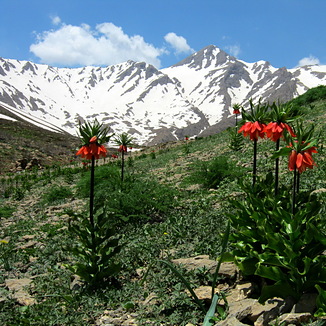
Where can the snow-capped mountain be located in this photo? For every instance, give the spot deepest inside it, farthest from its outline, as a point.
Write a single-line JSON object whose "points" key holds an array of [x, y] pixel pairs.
{"points": [[191, 98]]}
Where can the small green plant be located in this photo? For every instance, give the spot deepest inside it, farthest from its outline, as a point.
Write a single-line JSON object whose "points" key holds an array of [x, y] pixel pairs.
{"points": [[236, 139], [320, 302], [210, 318], [211, 174], [96, 248], [57, 193], [276, 245], [6, 211], [5, 254]]}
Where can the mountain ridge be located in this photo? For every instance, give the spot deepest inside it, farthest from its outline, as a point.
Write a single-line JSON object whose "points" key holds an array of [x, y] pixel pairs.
{"points": [[194, 97]]}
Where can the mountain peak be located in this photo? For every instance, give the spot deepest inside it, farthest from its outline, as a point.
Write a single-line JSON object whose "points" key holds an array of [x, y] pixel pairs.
{"points": [[210, 56]]}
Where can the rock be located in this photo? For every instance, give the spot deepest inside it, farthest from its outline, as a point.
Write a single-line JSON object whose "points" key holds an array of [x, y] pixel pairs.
{"points": [[295, 318], [276, 307], [17, 287], [204, 292], [307, 303], [117, 317], [29, 244], [151, 299], [263, 314], [230, 321], [242, 309], [201, 261], [240, 292], [227, 269]]}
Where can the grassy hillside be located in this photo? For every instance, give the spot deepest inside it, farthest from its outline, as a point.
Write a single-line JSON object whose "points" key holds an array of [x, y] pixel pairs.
{"points": [[21, 141], [174, 203]]}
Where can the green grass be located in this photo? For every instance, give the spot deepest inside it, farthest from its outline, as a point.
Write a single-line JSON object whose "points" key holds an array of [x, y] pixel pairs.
{"points": [[170, 206]]}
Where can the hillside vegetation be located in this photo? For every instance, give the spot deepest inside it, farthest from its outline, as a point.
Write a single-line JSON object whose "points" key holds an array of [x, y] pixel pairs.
{"points": [[175, 202]]}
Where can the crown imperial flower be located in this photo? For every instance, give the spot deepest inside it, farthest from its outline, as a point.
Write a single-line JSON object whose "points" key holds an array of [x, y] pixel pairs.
{"points": [[254, 130], [93, 135], [301, 161], [274, 130]]}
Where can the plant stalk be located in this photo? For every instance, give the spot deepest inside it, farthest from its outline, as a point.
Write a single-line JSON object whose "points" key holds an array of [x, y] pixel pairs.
{"points": [[91, 202], [277, 168], [295, 188], [254, 164], [122, 165]]}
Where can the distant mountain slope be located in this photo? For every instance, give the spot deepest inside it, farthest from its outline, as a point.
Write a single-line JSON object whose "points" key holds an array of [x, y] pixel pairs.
{"points": [[23, 142], [193, 97]]}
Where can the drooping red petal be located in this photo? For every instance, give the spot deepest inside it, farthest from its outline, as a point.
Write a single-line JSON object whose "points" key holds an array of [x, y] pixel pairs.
{"points": [[292, 160], [299, 160], [289, 129]]}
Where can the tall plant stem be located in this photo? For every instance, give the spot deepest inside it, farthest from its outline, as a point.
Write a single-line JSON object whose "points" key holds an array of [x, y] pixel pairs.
{"points": [[295, 188], [277, 168], [298, 182], [91, 199], [122, 165], [254, 172]]}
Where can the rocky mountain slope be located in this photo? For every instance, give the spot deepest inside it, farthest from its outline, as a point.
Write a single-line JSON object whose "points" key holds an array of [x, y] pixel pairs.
{"points": [[193, 97]]}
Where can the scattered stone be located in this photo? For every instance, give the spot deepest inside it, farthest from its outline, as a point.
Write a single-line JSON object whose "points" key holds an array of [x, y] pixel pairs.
{"points": [[17, 287], [231, 321], [117, 317], [227, 269], [241, 309], [240, 292], [307, 303], [29, 244], [204, 292], [295, 318], [197, 262], [151, 299]]}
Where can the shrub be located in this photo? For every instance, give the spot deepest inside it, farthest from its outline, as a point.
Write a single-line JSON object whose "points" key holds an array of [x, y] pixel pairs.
{"points": [[6, 211], [56, 194], [271, 242], [211, 174], [133, 199]]}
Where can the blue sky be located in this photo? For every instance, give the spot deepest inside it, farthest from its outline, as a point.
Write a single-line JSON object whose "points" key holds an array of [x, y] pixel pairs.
{"points": [[74, 33]]}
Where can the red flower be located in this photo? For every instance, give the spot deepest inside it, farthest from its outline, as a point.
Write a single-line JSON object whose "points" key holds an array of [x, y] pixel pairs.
{"points": [[122, 148], [92, 149], [302, 160], [274, 130], [253, 130], [236, 111]]}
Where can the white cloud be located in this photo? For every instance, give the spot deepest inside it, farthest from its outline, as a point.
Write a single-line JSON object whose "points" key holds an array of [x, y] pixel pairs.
{"points": [[179, 43], [56, 20], [311, 60], [80, 45], [234, 50]]}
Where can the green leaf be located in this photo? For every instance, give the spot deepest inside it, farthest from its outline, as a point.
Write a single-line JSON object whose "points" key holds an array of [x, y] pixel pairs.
{"points": [[208, 321], [280, 289], [270, 272]]}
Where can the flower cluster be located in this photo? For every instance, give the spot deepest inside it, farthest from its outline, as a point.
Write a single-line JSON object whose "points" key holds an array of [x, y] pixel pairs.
{"points": [[274, 130], [92, 149], [254, 130], [301, 159], [123, 148], [236, 110]]}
